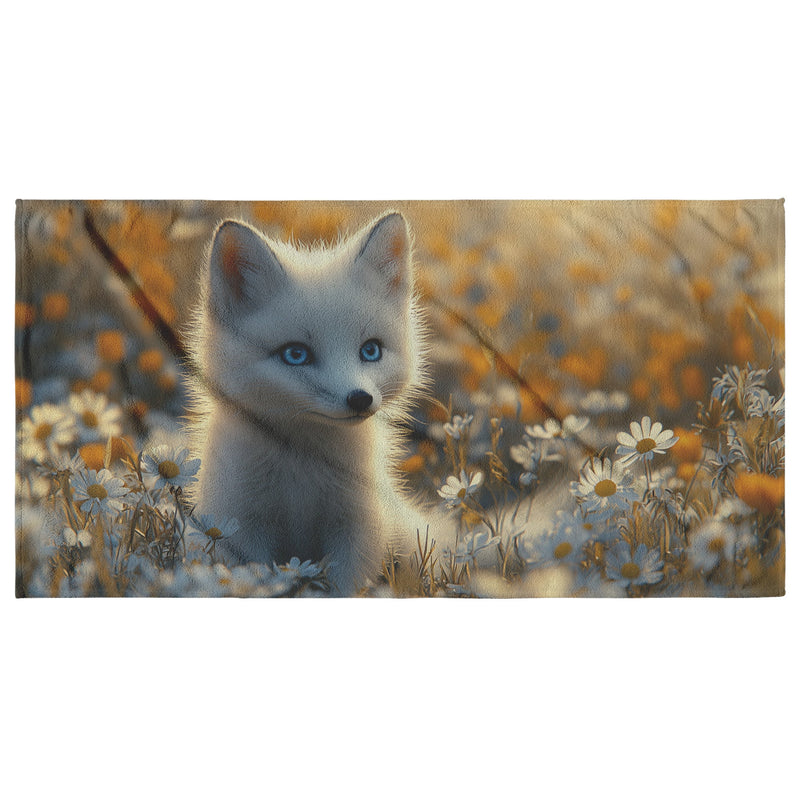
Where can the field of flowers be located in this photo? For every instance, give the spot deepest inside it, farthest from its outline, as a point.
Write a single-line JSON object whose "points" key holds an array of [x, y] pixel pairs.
{"points": [[606, 417]]}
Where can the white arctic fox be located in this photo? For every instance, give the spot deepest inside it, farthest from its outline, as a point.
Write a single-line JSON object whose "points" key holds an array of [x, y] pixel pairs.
{"points": [[309, 358]]}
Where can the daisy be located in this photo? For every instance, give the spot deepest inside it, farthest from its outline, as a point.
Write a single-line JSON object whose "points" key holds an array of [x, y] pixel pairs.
{"points": [[158, 500], [562, 545], [592, 583], [96, 418], [64, 463], [633, 568], [469, 545], [206, 525], [82, 537], [712, 542], [299, 571], [553, 429], [527, 455], [456, 490], [550, 430], [531, 452], [458, 426], [48, 428], [598, 528], [604, 487], [98, 491], [644, 441], [170, 466], [598, 402]]}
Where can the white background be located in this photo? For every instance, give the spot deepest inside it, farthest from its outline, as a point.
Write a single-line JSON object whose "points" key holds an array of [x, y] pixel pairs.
{"points": [[386, 101]]}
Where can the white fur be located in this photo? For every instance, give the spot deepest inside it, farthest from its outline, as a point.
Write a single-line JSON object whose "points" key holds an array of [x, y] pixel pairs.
{"points": [[281, 451]]}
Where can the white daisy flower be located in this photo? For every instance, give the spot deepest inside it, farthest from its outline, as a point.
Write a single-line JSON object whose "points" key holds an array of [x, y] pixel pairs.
{"points": [[170, 466], [469, 545], [633, 568], [157, 499], [644, 441], [527, 478], [592, 583], [96, 418], [29, 486], [563, 544], [553, 429], [95, 491], [64, 462], [456, 490], [550, 430], [598, 528], [713, 541], [297, 570], [48, 428], [599, 402], [206, 525], [458, 425], [604, 487], [531, 453], [732, 507], [82, 537]]}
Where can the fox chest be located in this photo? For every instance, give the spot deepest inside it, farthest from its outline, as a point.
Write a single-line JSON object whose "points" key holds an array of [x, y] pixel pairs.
{"points": [[303, 519]]}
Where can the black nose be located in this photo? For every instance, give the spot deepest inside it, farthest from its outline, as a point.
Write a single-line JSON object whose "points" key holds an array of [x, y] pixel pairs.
{"points": [[359, 400]]}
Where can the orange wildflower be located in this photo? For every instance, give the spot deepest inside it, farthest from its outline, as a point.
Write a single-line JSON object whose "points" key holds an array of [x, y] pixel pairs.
{"points": [[93, 455], [55, 306], [110, 346], [762, 492], [101, 381], [23, 392], [24, 315], [150, 360], [693, 382], [640, 389], [138, 408], [686, 472], [743, 349], [689, 446], [167, 381]]}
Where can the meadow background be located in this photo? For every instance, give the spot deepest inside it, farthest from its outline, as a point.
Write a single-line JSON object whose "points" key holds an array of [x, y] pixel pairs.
{"points": [[560, 331]]}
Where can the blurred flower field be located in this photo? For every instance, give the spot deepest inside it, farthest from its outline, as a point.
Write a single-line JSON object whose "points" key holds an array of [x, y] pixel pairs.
{"points": [[606, 416]]}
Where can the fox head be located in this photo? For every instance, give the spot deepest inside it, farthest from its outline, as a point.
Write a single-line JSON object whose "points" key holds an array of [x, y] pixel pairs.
{"points": [[327, 335]]}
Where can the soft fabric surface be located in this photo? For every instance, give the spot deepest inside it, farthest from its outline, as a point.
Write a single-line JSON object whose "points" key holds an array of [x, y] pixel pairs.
{"points": [[577, 398]]}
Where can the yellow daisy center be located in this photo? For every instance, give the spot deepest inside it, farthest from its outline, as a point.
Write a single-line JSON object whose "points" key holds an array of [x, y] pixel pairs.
{"points": [[97, 491], [587, 526], [630, 571], [168, 470], [43, 430], [645, 445], [213, 533], [716, 545], [605, 488], [462, 493], [563, 550], [89, 419]]}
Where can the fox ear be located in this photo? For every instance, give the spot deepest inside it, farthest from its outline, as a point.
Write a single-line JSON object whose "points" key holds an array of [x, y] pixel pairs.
{"points": [[243, 267], [386, 252]]}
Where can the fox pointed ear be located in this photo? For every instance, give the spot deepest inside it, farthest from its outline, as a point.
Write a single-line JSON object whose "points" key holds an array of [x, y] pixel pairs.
{"points": [[386, 251], [243, 268]]}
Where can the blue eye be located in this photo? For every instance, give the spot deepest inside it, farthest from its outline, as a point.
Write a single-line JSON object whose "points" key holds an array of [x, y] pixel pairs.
{"points": [[371, 350], [296, 355]]}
